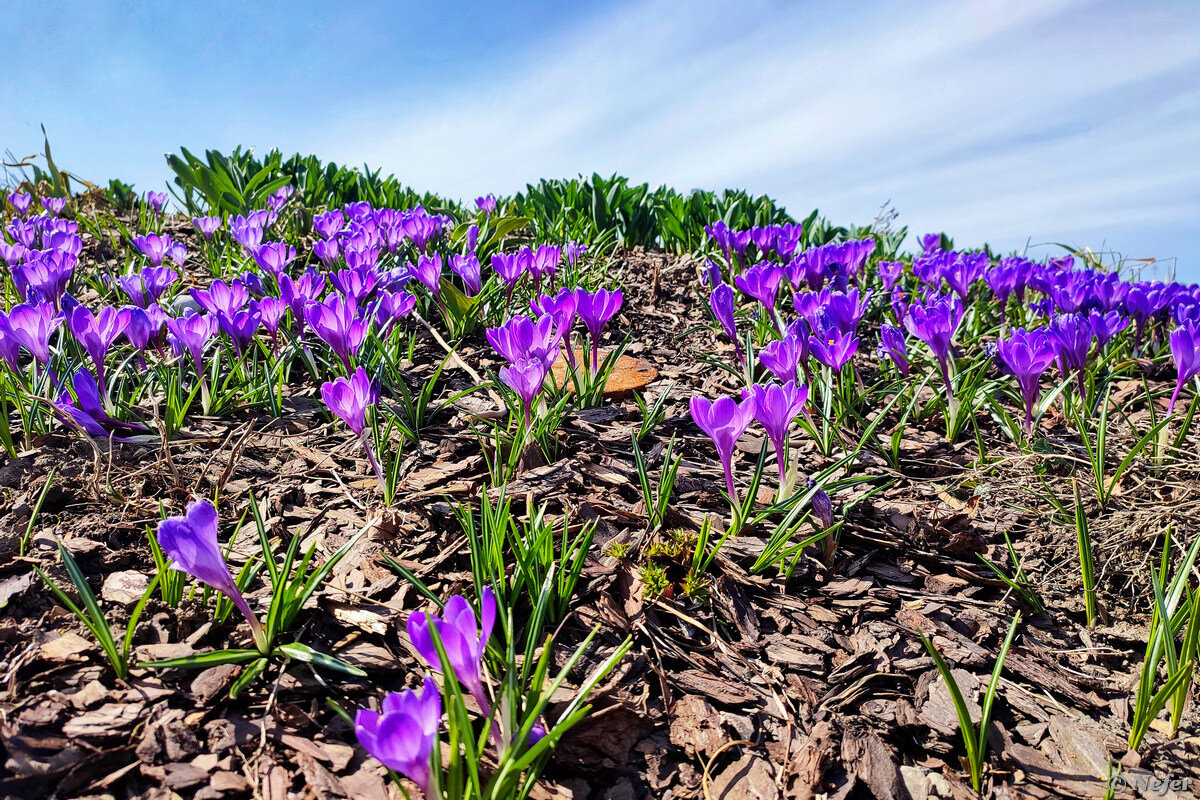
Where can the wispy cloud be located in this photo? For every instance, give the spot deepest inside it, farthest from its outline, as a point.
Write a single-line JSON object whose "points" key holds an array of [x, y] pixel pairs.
{"points": [[1059, 120]]}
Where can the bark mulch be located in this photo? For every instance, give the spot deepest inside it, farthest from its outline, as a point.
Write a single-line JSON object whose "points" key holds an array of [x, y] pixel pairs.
{"points": [[755, 688]]}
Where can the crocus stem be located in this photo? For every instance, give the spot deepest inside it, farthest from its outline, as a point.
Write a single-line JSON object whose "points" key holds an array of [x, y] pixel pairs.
{"points": [[946, 380], [728, 464], [570, 351], [374, 462], [780, 450], [1174, 397], [256, 629]]}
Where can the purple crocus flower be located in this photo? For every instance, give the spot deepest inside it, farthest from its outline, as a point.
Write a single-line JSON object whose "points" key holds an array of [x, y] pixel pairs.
{"points": [[44, 276], [573, 251], [429, 272], [931, 242], [190, 541], [336, 322], [472, 238], [306, 289], [31, 325], [595, 309], [21, 202], [775, 408], [241, 326], [724, 421], [207, 226], [279, 197], [511, 266], [783, 357], [274, 257], [253, 283], [1106, 325], [822, 506], [469, 270], [97, 333], [762, 283], [832, 346], [935, 323], [140, 329], [892, 344], [10, 348], [271, 311], [355, 284], [327, 251], [965, 271], [328, 225], [890, 273], [710, 273], [146, 287], [563, 308], [11, 254], [87, 400], [54, 205], [350, 398], [521, 338], [463, 639], [486, 204], [67, 408], [544, 264], [1185, 351], [722, 304], [221, 298], [154, 247], [192, 331], [525, 377], [157, 201], [1026, 355], [1071, 336], [389, 308], [403, 736]]}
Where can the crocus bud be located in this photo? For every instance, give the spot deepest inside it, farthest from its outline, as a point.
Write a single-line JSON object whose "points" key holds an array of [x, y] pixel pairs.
{"points": [[190, 541]]}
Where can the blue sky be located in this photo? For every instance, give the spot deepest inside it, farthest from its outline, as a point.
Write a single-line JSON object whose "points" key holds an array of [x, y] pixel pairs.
{"points": [[1010, 121]]}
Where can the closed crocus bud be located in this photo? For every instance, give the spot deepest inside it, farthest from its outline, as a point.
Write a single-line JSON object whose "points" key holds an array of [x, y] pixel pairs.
{"points": [[429, 272], [775, 408], [1026, 355], [525, 377], [823, 507], [782, 357], [1185, 351], [892, 344], [595, 309], [157, 201], [190, 542], [935, 322], [724, 420], [350, 398], [723, 308], [402, 736], [469, 270]]}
